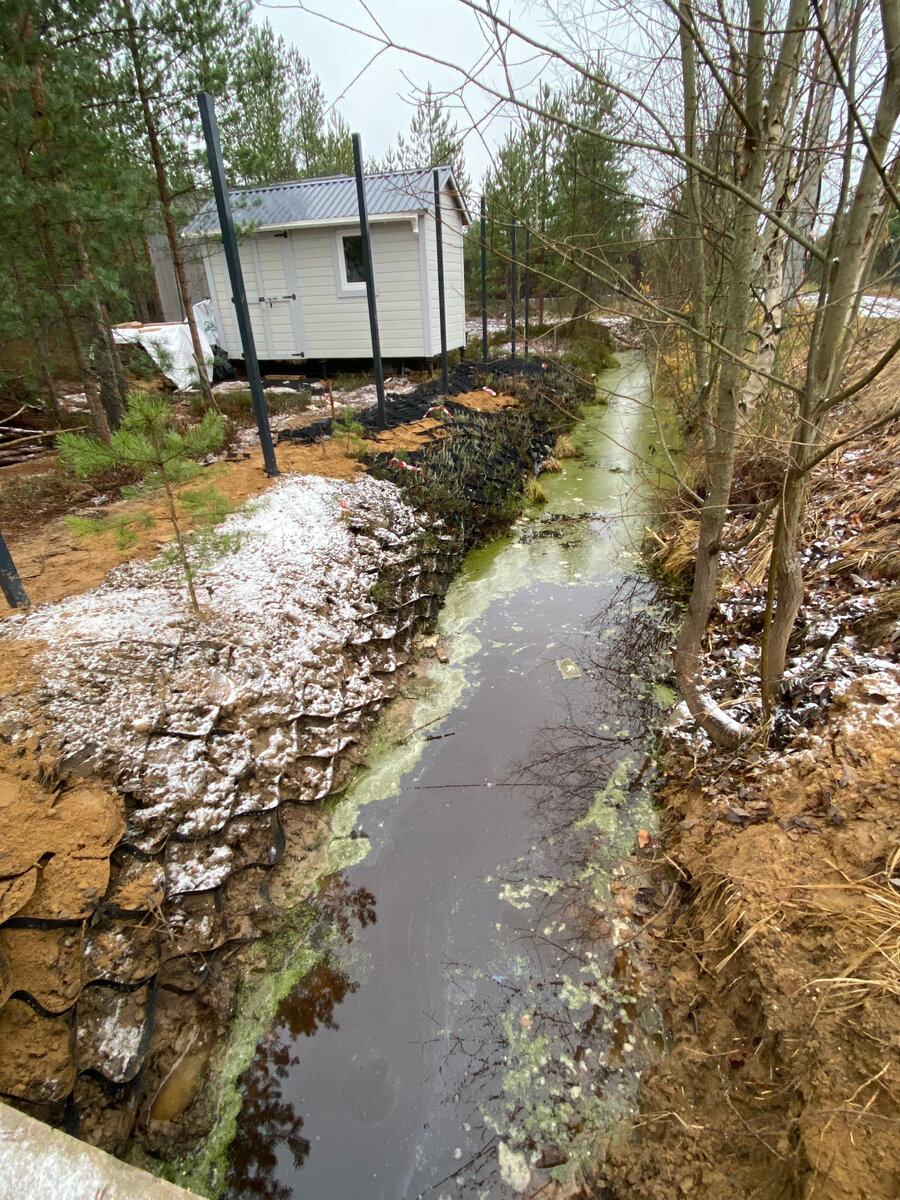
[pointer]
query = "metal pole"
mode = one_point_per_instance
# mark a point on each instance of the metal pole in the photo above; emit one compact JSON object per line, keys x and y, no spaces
{"x":10,"y":583}
{"x":229,"y":243}
{"x":512,"y":299}
{"x":527,"y":283}
{"x":442,"y":309}
{"x":369,"y":271}
{"x":484,"y":333}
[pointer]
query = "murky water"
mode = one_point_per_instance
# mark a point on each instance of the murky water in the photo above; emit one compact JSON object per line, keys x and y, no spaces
{"x":474,"y":1013}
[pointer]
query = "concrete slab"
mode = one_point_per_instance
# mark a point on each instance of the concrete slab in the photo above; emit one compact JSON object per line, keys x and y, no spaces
{"x":40,"y":1163}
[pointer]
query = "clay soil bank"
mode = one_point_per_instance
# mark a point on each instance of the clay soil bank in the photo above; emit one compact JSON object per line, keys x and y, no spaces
{"x":778,"y":972}
{"x":776,"y":958}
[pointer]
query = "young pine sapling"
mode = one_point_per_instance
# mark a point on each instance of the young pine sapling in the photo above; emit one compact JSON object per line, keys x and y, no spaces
{"x":148,"y":442}
{"x":347,"y":425}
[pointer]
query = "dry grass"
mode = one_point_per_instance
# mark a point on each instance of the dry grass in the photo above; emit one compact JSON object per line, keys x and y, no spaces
{"x":872,"y":921}
{"x":875,"y":505}
{"x":534,"y":491}
{"x":882,"y":622}
{"x":565,"y":447}
{"x":672,"y":550}
{"x":760,"y":463}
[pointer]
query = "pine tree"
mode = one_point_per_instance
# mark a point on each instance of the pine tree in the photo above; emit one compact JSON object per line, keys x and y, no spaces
{"x":256,"y":124}
{"x":71,"y":198}
{"x":336,"y":154}
{"x":434,"y":141}
{"x":164,"y":456}
{"x":275,"y":124}
{"x":168,"y":52}
{"x":556,"y":174}
{"x":306,"y":107}
{"x":520,"y":186}
{"x":593,"y":213}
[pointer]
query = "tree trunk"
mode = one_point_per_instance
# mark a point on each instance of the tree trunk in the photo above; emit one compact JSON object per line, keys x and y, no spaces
{"x":55,"y":405}
{"x":809,"y":183}
{"x":851,"y":255}
{"x":165,"y":200}
{"x":88,"y":378}
{"x":102,"y":347}
{"x":720,"y":461}
{"x":693,"y":221}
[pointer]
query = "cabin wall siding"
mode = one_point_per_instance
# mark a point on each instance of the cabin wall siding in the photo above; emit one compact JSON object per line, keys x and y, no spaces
{"x":454,"y":286}
{"x":337,"y":326}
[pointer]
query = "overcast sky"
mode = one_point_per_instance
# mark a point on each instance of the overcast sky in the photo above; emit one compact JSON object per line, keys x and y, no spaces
{"x":376,"y":97}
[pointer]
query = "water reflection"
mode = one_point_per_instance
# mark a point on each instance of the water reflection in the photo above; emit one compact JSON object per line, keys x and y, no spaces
{"x":268,"y":1121}
{"x":543,"y":1046}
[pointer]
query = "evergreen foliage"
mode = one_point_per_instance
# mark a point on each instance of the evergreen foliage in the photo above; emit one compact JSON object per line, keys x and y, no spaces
{"x":100,"y":148}
{"x":148,"y":441}
{"x":276,"y":125}
{"x":434,"y":140}
{"x":557,"y":175}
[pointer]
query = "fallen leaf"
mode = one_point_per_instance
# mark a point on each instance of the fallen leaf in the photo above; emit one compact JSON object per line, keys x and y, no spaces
{"x":643,"y":838}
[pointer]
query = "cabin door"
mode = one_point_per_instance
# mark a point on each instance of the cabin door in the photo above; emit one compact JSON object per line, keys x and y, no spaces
{"x":272,"y":297}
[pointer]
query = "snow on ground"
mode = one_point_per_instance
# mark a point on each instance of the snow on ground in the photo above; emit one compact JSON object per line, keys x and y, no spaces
{"x":204,"y":721}
{"x":870,"y":306}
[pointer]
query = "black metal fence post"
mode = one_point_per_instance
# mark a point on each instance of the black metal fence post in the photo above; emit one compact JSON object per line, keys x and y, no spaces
{"x":235,"y":274}
{"x":512,"y":291}
{"x":442,"y":304}
{"x":10,"y":583}
{"x":527,"y":283}
{"x":484,"y":331}
{"x":369,"y":269}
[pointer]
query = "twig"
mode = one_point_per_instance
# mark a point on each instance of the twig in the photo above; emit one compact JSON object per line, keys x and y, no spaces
{"x":418,"y":728}
{"x":37,"y":436}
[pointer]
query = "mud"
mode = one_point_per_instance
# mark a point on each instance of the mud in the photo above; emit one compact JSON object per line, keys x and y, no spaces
{"x":779,"y":970}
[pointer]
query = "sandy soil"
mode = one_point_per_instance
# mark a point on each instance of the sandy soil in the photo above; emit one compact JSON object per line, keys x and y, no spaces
{"x":54,"y":562}
{"x":778,"y":973}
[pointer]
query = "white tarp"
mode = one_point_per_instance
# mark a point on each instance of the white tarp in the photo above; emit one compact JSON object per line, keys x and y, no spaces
{"x":205,"y":316}
{"x":169,"y":345}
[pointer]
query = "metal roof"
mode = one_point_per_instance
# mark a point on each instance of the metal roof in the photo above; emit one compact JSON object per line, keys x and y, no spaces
{"x":314,"y":201}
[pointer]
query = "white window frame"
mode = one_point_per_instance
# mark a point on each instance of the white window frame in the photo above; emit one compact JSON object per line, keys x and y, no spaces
{"x":344,"y":289}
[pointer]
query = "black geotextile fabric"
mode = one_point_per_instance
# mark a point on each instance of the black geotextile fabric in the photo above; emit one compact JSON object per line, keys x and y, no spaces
{"x":412,"y":406}
{"x":469,"y":375}
{"x":473,"y":479}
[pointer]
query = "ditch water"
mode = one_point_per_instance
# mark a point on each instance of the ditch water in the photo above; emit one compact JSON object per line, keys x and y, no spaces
{"x":477,"y":1012}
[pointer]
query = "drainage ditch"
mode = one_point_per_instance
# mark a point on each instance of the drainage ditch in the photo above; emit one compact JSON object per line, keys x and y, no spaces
{"x":474,"y":1024}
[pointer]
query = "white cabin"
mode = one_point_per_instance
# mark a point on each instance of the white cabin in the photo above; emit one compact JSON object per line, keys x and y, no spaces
{"x":301,"y":255}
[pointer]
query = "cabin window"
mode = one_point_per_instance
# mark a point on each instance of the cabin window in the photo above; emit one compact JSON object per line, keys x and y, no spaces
{"x":349,"y":275}
{"x":353,"y":258}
